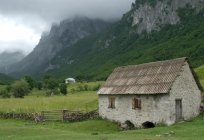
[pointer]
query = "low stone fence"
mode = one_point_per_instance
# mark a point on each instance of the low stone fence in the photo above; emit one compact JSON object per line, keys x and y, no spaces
{"x":78,"y":116}
{"x":20,"y":116}
{"x":59,"y":115}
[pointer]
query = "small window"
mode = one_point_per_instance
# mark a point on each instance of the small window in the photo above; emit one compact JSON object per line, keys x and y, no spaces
{"x":111,"y":102}
{"x":136,"y":103}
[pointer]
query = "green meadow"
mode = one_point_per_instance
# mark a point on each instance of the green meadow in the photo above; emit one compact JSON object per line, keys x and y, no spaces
{"x":80,"y":101}
{"x":98,"y":130}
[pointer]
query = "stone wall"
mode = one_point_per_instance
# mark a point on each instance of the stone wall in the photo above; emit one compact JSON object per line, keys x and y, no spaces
{"x":185,"y":88}
{"x":152,"y":109}
{"x":20,"y":116}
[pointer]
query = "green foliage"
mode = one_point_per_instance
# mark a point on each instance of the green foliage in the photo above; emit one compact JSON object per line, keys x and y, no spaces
{"x":39,"y":85}
{"x":50,"y":85}
{"x":200,"y":72}
{"x":86,"y":86}
{"x":4,"y":92}
{"x":5,"y":79}
{"x":20,"y":88}
{"x":30,"y":81}
{"x":63,"y":88}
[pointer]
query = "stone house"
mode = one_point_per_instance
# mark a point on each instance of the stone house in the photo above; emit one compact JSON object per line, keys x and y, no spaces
{"x":157,"y":92}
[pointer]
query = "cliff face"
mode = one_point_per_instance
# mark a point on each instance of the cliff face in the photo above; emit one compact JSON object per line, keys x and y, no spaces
{"x":60,"y":36}
{"x":148,"y":16}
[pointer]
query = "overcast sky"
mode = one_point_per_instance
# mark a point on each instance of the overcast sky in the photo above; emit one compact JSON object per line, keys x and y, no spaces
{"x":23,"y":21}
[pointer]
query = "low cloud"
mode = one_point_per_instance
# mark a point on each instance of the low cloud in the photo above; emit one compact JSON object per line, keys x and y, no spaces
{"x":36,"y":16}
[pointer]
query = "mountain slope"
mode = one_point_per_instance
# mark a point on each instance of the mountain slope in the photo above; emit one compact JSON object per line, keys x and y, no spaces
{"x":93,"y":58}
{"x":145,"y":33}
{"x":5,"y":79}
{"x":9,"y":58}
{"x":60,"y":36}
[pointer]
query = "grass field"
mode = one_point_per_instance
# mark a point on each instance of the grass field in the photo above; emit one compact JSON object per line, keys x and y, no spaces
{"x":81,"y":97}
{"x":97,"y":130}
{"x":80,"y":101}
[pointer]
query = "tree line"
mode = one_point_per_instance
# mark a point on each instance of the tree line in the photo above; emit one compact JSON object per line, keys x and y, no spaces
{"x":24,"y":86}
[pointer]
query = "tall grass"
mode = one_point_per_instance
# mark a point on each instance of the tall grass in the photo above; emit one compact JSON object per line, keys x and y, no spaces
{"x":81,"y":101}
{"x":90,"y":86}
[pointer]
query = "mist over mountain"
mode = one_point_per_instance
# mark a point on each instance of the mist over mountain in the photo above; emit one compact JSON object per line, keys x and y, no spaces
{"x":90,"y":49}
{"x":61,"y":36}
{"x":9,"y":58}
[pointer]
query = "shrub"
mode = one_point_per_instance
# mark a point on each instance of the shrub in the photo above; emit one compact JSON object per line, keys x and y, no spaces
{"x":39,"y":85}
{"x":86,"y":87}
{"x":95,"y":88}
{"x":63,"y":88}
{"x":80,"y":87}
{"x":30,"y":81}
{"x":4,"y":93}
{"x":52,"y":92}
{"x":20,"y":89}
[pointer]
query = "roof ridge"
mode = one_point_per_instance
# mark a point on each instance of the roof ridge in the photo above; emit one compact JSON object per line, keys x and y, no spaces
{"x":148,"y":63}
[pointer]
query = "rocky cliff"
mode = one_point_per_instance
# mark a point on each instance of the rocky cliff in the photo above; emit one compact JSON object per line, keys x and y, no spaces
{"x":151,"y":15}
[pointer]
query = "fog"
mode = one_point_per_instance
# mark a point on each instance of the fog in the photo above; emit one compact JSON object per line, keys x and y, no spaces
{"x":23,"y":21}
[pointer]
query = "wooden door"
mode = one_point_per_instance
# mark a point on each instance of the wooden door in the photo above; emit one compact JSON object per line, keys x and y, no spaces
{"x":179,"y":110}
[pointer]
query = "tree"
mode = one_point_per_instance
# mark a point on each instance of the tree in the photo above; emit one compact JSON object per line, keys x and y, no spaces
{"x":63,"y":88}
{"x":52,"y":87}
{"x":39,"y":85}
{"x":30,"y":81}
{"x":4,"y":92}
{"x":20,"y":88}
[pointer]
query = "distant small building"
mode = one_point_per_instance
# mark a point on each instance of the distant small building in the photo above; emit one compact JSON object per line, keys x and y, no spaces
{"x":70,"y":80}
{"x":158,"y":92}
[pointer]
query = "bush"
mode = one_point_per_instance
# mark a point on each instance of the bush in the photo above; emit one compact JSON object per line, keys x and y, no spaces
{"x":4,"y":93}
{"x":30,"y":81}
{"x":39,"y":85}
{"x":63,"y":89}
{"x":86,"y":87}
{"x":95,"y":88}
{"x":52,"y":92}
{"x":80,"y":87}
{"x":20,"y":89}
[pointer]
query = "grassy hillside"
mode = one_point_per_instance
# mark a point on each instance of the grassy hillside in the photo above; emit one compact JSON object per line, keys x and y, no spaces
{"x":94,"y":57}
{"x":97,"y":130}
{"x":200,"y":73}
{"x":5,"y":79}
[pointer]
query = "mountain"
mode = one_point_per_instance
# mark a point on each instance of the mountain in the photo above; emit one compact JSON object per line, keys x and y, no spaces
{"x":127,"y":43}
{"x":9,"y":58}
{"x":152,"y":30}
{"x":61,"y":36}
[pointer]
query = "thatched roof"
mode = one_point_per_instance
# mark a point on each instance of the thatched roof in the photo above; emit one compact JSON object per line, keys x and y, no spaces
{"x":149,"y":78}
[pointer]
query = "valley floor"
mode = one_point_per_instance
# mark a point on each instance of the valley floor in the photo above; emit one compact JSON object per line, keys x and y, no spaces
{"x":97,"y":130}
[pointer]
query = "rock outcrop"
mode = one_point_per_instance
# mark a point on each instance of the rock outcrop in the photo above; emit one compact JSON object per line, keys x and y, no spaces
{"x":151,"y":16}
